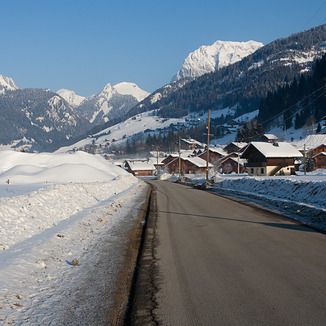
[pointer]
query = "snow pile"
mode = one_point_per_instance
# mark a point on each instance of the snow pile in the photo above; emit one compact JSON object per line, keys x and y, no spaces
{"x":27,"y":168}
{"x":54,"y":223}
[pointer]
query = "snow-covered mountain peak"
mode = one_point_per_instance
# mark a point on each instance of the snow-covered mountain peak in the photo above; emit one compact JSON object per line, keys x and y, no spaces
{"x":107,"y":91}
{"x":71,"y":97}
{"x":213,"y":57}
{"x":132,"y":89}
{"x":7,"y":83}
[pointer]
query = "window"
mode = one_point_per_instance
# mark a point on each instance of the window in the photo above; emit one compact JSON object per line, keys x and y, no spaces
{"x":262,"y":171}
{"x":252,"y":170}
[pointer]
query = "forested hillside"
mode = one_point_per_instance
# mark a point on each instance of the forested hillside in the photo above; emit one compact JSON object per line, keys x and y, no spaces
{"x":301,"y":103}
{"x":242,"y":85}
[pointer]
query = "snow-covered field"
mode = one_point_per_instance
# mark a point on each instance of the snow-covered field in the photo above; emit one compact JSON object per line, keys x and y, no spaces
{"x":57,"y":213}
{"x":300,"y":197}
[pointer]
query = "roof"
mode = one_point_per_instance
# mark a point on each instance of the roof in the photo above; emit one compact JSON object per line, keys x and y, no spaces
{"x":218,"y":150}
{"x":242,"y":161}
{"x":192,"y":142}
{"x":270,"y":136}
{"x":141,"y":165}
{"x":199,"y":162}
{"x":321,"y":153}
{"x":311,"y":141}
{"x":239,"y":144}
{"x":312,"y":149}
{"x":269,"y":150}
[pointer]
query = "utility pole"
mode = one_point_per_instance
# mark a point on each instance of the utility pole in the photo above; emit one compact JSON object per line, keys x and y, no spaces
{"x":238,"y":162}
{"x":157,"y":170}
{"x":179,"y":158}
{"x":207,"y":159}
{"x":304,"y":159}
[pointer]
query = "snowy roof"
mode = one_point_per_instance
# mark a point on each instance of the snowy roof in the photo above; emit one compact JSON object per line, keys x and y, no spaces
{"x":322,"y":153}
{"x":270,"y":136}
{"x":242,"y":161}
{"x":183,"y":153}
{"x":311,"y":141}
{"x":199,"y":162}
{"x":192,"y":141}
{"x":311,"y":149}
{"x":160,"y":160}
{"x":282,"y":149}
{"x":218,"y":150}
{"x":141,"y":165}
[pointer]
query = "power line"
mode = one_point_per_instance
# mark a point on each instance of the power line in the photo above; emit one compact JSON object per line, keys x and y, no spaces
{"x":314,"y":15}
{"x":292,"y":106}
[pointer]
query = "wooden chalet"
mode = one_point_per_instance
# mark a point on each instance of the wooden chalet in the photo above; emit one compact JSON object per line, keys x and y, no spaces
{"x":235,"y":147}
{"x":233,"y":165}
{"x":215,"y":155}
{"x":189,"y":165}
{"x":269,"y":138}
{"x":139,"y":168}
{"x":192,"y":144}
{"x":319,"y":149}
{"x":320,"y":160}
{"x":270,"y":159}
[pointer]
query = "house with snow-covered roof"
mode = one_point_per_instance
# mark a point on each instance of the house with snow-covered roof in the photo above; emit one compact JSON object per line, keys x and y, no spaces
{"x":320,"y":160}
{"x":215,"y":154}
{"x":232,"y":164}
{"x":235,"y":147}
{"x":270,"y":138}
{"x":189,"y":165}
{"x":270,"y":158}
{"x":310,"y":142}
{"x":140,"y":167}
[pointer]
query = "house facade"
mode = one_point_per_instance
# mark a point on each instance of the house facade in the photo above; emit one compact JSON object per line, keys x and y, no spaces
{"x":189,"y":165}
{"x":215,"y":155}
{"x":320,"y":160}
{"x":235,"y":147}
{"x":233,"y":165}
{"x":319,"y":149}
{"x":267,"y":159}
{"x":140,"y":168}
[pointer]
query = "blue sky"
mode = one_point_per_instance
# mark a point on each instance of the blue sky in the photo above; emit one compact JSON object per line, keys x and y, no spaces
{"x":83,"y":45}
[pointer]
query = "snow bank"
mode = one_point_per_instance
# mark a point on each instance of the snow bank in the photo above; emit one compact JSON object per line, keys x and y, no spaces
{"x":301,"y":198}
{"x":28,"y":168}
{"x":55,"y":208}
{"x":301,"y":191}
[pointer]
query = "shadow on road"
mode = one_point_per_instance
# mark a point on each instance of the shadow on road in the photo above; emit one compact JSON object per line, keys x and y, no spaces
{"x":288,"y":226}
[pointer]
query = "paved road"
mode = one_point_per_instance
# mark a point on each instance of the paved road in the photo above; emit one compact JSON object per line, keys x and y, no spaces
{"x":220,"y":262}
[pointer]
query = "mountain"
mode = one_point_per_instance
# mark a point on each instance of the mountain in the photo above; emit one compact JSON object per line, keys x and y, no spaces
{"x":6,"y":83}
{"x":241,"y":86}
{"x":71,"y":97}
{"x":38,"y":119}
{"x":111,"y":103}
{"x":213,"y":57}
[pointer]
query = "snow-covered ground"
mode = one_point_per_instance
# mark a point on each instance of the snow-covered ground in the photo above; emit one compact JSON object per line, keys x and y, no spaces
{"x":300,"y":197}
{"x":58,"y":213}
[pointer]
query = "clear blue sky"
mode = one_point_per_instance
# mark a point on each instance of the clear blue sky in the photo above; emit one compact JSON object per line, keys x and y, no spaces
{"x":83,"y":45}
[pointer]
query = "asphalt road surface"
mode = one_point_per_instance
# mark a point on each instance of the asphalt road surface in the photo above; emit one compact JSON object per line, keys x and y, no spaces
{"x":213,"y":261}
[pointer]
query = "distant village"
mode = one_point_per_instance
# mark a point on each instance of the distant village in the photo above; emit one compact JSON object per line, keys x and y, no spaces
{"x":265,"y":157}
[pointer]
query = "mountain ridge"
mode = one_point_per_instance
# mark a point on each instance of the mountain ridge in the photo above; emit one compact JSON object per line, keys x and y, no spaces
{"x":209,"y":58}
